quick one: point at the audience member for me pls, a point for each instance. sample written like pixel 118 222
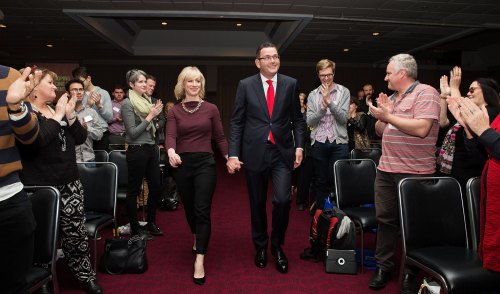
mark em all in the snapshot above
pixel 356 127
pixel 270 142
pixel 138 113
pixel 17 223
pixel 51 161
pixel 408 123
pixel 454 157
pixel 116 126
pixel 476 119
pixel 89 119
pixel 327 114
pixel 192 124
pixel 98 99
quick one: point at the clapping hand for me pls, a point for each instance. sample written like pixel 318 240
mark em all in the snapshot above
pixel 477 119
pixel 21 87
pixel 325 92
pixel 385 106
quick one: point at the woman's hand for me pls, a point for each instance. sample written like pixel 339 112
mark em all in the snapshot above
pixel 155 110
pixel 173 158
pixel 61 107
pixel 477 119
pixel 21 88
pixel 444 87
pixel 455 78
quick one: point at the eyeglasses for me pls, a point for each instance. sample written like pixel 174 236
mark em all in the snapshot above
pixel 472 89
pixel 269 57
pixel 76 90
pixel 326 76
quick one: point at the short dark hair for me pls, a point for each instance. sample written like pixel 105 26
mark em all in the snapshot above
pixel 119 86
pixel 262 46
pixel 73 81
pixel 80 72
pixel 355 101
pixel 150 77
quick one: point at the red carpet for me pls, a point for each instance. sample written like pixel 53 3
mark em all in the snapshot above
pixel 229 262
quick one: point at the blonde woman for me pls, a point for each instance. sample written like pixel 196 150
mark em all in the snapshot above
pixel 191 126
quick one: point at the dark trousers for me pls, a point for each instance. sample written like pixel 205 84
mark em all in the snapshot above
pixel 387 212
pixel 305 174
pixel 17 225
pixel 142 161
pixel 102 144
pixel 325 155
pixel 196 178
pixel 257 183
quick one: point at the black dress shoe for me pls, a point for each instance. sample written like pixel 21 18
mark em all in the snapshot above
pixel 261 258
pixel 199 281
pixel 153 229
pixel 280 260
pixel 409 285
pixel 379 279
pixel 93 287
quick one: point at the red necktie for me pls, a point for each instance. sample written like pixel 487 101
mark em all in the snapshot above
pixel 270 105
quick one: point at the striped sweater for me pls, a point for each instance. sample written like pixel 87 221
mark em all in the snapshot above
pixel 25 129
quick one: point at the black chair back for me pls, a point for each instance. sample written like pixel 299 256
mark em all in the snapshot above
pixel 473 199
pixel 45 206
pixel 368 153
pixel 119 158
pixel 431 213
pixel 354 182
pixel 101 156
pixel 100 183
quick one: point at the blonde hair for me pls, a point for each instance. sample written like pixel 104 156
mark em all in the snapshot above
pixel 189 72
pixel 325 63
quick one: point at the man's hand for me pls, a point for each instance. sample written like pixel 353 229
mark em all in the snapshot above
pixel 455 78
pixel 325 93
pixel 233 165
pixel 385 107
pixel 444 86
pixel 21 88
pixel 299 153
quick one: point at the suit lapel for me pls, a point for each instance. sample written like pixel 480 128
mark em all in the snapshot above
pixel 261 96
pixel 279 96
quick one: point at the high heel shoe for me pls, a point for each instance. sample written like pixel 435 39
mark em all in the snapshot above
pixel 199 281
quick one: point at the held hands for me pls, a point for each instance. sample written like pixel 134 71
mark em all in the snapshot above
pixel 21 87
pixel 233 165
pixel 173 158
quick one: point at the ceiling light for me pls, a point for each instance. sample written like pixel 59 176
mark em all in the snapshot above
pixel 238 24
pixel 375 33
pixel 346 49
pixel 49 45
pixel 2 25
pixel 163 23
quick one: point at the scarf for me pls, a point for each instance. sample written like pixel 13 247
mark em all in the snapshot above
pixel 142 106
pixel 445 158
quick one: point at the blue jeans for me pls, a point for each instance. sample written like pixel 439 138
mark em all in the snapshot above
pixel 325 155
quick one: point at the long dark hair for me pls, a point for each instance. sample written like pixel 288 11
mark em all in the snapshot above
pixel 490 91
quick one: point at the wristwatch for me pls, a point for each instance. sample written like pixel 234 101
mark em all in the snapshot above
pixel 22 108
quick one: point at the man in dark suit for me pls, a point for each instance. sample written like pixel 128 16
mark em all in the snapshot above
pixel 268 131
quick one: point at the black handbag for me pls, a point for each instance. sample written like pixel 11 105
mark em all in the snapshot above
pixel 124 256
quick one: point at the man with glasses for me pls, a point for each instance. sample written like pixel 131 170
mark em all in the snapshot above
pixel 98 99
pixel 327 115
pixel 267 132
pixel 89 119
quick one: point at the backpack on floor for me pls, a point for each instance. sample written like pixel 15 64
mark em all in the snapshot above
pixel 323 234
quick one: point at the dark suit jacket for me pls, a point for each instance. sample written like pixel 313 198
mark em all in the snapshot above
pixel 250 122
